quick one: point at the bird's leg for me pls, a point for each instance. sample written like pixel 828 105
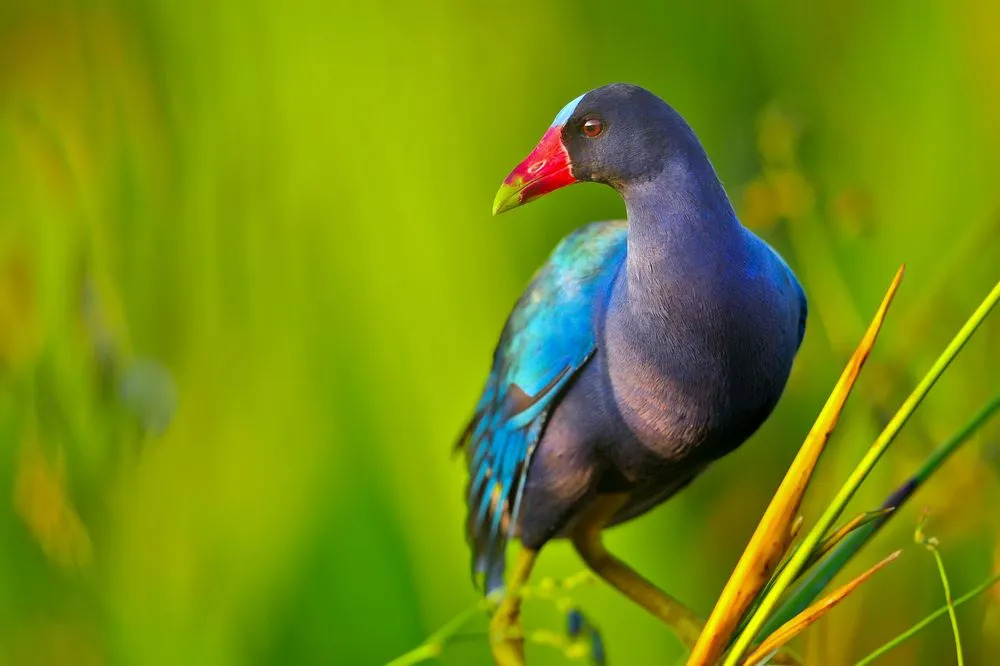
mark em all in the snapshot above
pixel 506 635
pixel 587 540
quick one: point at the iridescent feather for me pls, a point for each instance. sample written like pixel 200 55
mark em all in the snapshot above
pixel 548 337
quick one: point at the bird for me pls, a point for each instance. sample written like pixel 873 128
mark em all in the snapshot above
pixel 643 350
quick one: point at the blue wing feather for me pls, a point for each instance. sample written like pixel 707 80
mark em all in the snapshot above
pixel 548 337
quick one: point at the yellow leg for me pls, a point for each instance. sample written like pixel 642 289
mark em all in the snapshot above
pixel 506 635
pixel 587 540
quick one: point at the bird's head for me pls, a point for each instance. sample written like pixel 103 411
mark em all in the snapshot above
pixel 616 134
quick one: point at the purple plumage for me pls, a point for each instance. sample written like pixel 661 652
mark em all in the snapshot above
pixel 641 351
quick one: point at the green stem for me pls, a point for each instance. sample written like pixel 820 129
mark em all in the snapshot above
pixel 941 453
pixel 950 604
pixel 810 587
pixel 836 507
pixel 915 629
pixel 434 644
pixel 547 588
pixel 422 652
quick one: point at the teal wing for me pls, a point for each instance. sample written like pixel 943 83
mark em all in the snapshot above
pixel 548 337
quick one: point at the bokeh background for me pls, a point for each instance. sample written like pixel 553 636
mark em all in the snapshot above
pixel 250 286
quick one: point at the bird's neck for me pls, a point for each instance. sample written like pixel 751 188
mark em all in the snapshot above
pixel 670 320
pixel 681 226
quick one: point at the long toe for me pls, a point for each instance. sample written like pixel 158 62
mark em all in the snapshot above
pixel 506 637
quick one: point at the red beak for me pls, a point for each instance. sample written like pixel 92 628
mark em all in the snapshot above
pixel 547 168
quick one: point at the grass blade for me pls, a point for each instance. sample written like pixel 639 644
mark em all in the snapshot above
pixel 773 534
pixel 820 576
pixel 859 521
pixel 825 546
pixel 915 629
pixel 861 471
pixel 803 620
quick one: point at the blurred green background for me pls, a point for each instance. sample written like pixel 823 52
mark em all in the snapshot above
pixel 249 289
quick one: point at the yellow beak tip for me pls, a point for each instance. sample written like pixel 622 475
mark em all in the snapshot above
pixel 508 197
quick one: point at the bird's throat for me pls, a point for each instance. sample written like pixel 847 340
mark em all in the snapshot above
pixel 682 227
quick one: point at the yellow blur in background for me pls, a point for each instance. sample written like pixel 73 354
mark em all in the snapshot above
pixel 249 289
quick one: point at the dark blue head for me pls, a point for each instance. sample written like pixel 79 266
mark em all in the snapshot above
pixel 618 134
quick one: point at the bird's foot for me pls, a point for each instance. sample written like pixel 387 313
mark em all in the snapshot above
pixel 506 635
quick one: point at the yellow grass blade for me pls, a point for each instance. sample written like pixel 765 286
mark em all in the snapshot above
pixel 773 534
pixel 791 571
pixel 803 620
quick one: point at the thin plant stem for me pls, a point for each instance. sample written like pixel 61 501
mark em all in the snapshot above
pixel 950 604
pixel 547 589
pixel 434 644
pixel 915 629
pixel 844 495
pixel 931 544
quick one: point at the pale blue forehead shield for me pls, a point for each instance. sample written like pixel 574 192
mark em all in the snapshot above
pixel 566 112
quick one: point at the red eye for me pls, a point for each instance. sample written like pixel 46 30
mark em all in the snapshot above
pixel 592 127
